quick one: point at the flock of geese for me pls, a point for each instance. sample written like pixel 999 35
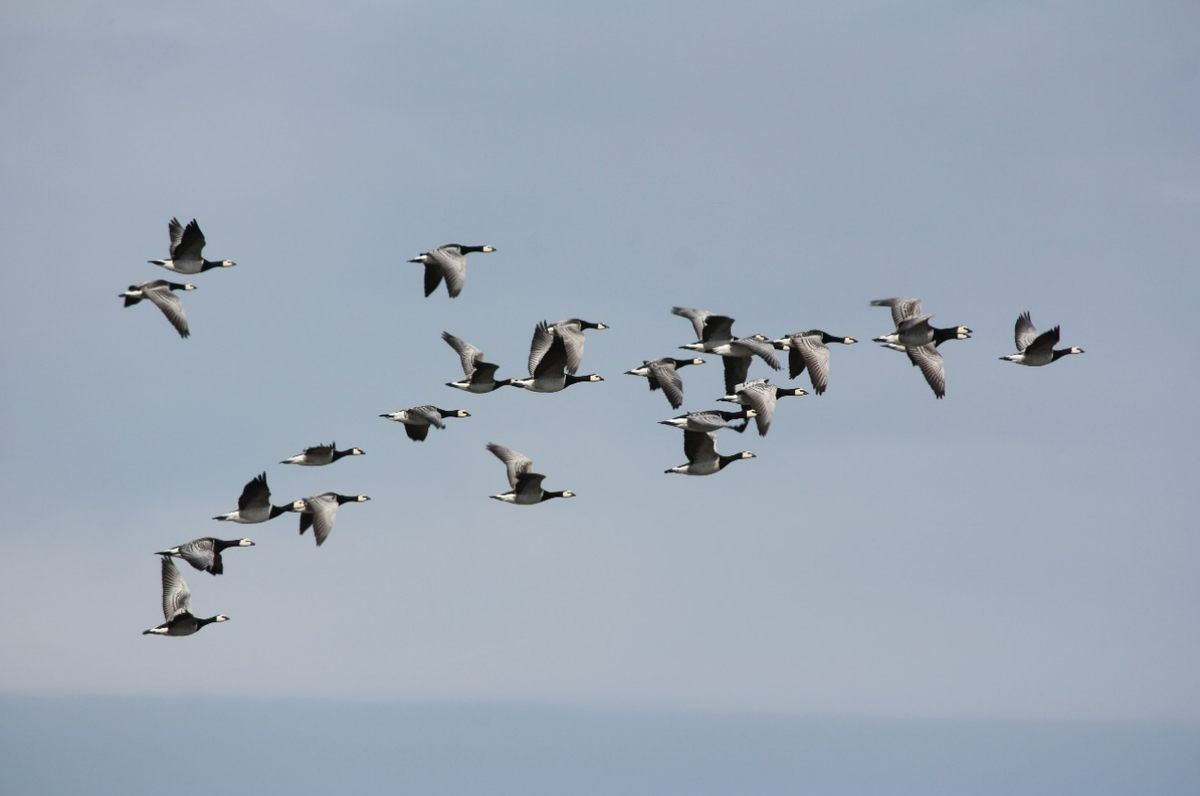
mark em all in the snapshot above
pixel 555 357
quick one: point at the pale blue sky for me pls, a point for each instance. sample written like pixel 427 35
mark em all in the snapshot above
pixel 1025 549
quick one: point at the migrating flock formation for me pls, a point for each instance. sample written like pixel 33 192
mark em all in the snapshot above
pixel 555 357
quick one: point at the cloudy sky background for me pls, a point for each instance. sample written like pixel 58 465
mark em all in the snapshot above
pixel 1025 550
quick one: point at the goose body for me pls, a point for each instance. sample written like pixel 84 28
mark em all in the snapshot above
pixel 447 262
pixel 919 340
pixel 663 374
pixel 177 606
pixel 159 293
pixel 913 328
pixel 319 511
pixel 760 395
pixel 710 421
pixel 701 450
pixel 205 554
pixel 187 246
pixel 1036 350
pixel 319 455
pixel 418 419
pixel 479 376
pixel 254 505
pixel 526 484
pixel 809 351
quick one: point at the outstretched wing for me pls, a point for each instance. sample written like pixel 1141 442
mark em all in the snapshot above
pixel 176 597
pixel 516 463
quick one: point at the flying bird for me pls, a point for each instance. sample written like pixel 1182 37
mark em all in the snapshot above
pixel 187 244
pixel 205 554
pixel 177 606
pixel 447 262
pixel 255 504
pixel 662 374
pixel 418 419
pixel 478 376
pixel 808 351
pixel 760 395
pixel 526 484
pixel 159 292
pixel 1036 350
pixel 701 450
pixel 318 512
pixel 548 352
pixel 319 455
pixel 570 333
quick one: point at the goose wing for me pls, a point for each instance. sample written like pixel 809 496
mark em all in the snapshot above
pixel 717 329
pixel 663 374
pixel 933 367
pixel 736 370
pixel 902 308
pixel 571 334
pixel 452 265
pixel 1043 344
pixel 427 413
pixel 760 348
pixel 760 395
pixel 190 244
pixel 175 230
pixel 322 511
pixel 170 305
pixel 699 445
pixel 516 463
pixel 176 597
pixel 256 495
pixel 201 554
pixel 529 484
pixel 539 346
pixel 1025 333
pixel 469 354
pixel 697 317
pixel 814 355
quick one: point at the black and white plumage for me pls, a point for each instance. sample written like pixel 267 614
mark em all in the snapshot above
pixel 418 419
pixel 662 374
pixel 526 484
pixel 549 374
pixel 254 505
pixel 570 333
pixel 712 420
pixel 760 395
pixel 447 262
pixel 177 605
pixel 319 511
pixel 808 351
pixel 913 327
pixel 701 450
pixel 319 455
pixel 716 337
pixel 1035 350
pixel 205 553
pixel 187 246
pixel 479 376
pixel 159 292
pixel 919 340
